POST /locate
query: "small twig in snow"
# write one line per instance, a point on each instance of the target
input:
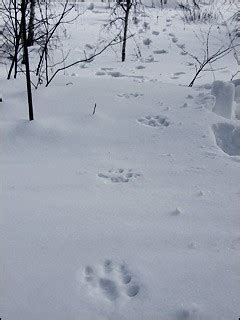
(94, 109)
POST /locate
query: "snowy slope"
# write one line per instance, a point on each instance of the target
(63, 212)
(131, 213)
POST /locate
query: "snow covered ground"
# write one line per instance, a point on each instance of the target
(133, 212)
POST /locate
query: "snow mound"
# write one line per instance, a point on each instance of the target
(224, 95)
(237, 100)
(227, 138)
(24, 133)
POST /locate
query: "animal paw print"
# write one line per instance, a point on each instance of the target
(205, 100)
(130, 95)
(112, 281)
(119, 175)
(154, 121)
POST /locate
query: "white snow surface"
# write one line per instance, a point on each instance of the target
(131, 213)
(224, 93)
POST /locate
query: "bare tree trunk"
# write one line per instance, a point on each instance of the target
(26, 59)
(30, 39)
(125, 36)
(126, 18)
(17, 35)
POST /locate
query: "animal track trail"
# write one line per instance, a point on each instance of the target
(112, 281)
(154, 121)
(119, 175)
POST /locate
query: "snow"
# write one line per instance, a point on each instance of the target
(224, 94)
(130, 213)
(228, 138)
(237, 101)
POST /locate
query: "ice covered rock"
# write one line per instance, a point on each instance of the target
(224, 98)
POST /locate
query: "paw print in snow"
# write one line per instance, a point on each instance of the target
(130, 95)
(154, 121)
(112, 281)
(119, 175)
